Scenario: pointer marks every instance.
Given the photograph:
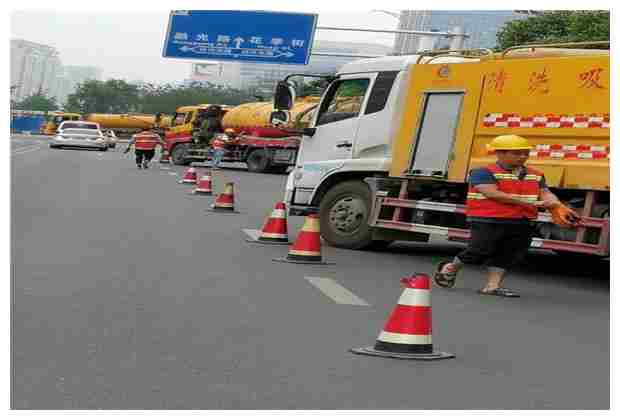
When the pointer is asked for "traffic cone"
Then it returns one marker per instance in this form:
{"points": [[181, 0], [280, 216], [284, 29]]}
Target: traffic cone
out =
{"points": [[225, 202], [307, 246], [165, 157], [204, 184], [274, 231], [189, 177], [408, 332]]}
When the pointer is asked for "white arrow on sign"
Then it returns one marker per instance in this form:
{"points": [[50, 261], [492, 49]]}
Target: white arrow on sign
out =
{"points": [[238, 41], [185, 48]]}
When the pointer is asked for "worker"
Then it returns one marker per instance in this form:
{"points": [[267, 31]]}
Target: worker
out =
{"points": [[219, 148], [501, 207], [144, 143]]}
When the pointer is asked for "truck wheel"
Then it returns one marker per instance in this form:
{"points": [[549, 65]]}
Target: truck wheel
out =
{"points": [[344, 213], [258, 161], [178, 154]]}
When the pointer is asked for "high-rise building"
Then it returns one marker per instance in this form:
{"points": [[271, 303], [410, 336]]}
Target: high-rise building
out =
{"points": [[481, 26], [34, 68]]}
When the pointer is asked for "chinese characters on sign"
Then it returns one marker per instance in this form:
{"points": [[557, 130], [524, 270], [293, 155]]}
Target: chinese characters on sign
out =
{"points": [[591, 79], [497, 80], [539, 83]]}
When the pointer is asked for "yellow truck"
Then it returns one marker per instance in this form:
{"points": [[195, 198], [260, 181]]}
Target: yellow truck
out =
{"points": [[396, 166], [54, 119]]}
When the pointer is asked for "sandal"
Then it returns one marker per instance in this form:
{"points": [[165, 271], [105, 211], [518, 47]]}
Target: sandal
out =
{"points": [[501, 292], [446, 280]]}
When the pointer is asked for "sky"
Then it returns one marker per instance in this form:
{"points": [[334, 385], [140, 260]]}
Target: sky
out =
{"points": [[128, 45]]}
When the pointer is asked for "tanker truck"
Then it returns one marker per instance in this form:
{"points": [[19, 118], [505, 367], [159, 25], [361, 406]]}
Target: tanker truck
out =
{"points": [[257, 143], [125, 125], [396, 165]]}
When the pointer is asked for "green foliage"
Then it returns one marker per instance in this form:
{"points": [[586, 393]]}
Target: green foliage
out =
{"points": [[167, 98], [555, 26], [118, 96], [37, 102], [112, 96]]}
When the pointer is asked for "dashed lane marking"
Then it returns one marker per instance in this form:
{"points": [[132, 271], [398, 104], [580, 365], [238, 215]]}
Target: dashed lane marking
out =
{"points": [[336, 292], [25, 150]]}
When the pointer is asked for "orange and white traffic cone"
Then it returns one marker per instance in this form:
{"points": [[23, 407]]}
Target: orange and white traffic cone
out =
{"points": [[165, 157], [407, 333], [203, 187], [274, 231], [225, 202], [189, 177], [307, 246]]}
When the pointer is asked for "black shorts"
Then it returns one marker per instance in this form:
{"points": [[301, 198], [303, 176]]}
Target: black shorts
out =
{"points": [[499, 245]]}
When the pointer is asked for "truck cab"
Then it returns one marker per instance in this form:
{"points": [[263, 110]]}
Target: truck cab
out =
{"points": [[350, 139]]}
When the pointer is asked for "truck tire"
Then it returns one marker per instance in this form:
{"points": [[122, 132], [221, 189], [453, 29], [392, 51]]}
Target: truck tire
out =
{"points": [[178, 154], [344, 213], [258, 161]]}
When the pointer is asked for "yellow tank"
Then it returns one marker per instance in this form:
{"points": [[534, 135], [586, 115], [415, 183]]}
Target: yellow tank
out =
{"points": [[256, 114], [122, 121]]}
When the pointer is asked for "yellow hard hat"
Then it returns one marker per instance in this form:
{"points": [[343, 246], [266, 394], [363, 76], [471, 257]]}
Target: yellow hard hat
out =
{"points": [[509, 142]]}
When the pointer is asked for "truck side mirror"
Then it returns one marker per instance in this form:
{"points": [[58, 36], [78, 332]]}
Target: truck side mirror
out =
{"points": [[278, 118], [284, 96]]}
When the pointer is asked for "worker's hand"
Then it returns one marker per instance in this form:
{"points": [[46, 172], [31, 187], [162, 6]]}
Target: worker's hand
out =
{"points": [[126, 150], [564, 216]]}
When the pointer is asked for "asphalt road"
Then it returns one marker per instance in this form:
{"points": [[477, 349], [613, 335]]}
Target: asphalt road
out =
{"points": [[128, 295]]}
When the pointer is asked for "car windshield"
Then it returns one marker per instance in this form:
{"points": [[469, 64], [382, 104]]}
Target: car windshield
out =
{"points": [[82, 132], [78, 125]]}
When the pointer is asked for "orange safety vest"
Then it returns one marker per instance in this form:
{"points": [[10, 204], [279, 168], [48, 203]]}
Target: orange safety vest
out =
{"points": [[527, 188], [146, 141], [218, 144]]}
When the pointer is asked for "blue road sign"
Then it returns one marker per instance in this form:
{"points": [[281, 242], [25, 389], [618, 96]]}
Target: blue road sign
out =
{"points": [[256, 36]]}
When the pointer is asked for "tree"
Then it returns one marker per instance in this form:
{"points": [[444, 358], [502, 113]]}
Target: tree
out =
{"points": [[167, 98], [112, 96], [554, 27], [37, 102]]}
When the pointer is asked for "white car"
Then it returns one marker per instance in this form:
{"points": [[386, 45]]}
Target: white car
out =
{"points": [[89, 138]]}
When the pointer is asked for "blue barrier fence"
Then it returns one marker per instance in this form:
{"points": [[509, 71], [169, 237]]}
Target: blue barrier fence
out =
{"points": [[27, 121]]}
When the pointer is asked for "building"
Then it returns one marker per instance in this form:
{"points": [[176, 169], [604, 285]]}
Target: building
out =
{"points": [[71, 76], [34, 68], [481, 26], [261, 78]]}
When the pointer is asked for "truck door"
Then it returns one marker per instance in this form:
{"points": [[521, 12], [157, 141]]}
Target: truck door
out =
{"points": [[436, 133], [336, 126]]}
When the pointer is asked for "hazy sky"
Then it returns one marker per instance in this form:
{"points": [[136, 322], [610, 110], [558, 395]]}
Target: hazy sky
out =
{"points": [[129, 44]]}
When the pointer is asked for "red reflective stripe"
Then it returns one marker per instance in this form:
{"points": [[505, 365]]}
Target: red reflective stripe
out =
{"points": [[415, 320]]}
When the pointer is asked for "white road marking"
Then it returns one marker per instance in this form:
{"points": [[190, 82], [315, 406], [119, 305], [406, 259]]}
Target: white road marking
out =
{"points": [[172, 173], [25, 150], [336, 292], [252, 233]]}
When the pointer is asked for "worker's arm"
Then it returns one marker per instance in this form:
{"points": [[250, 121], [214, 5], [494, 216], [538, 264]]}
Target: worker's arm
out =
{"points": [[548, 199], [491, 192], [131, 142]]}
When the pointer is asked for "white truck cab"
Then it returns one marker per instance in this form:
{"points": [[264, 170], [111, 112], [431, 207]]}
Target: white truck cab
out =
{"points": [[349, 139]]}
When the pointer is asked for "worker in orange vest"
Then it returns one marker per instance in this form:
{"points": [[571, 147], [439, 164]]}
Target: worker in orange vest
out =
{"points": [[501, 208], [144, 143], [219, 147]]}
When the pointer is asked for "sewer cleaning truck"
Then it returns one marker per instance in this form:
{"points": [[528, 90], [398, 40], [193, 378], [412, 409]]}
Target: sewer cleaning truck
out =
{"points": [[395, 164]]}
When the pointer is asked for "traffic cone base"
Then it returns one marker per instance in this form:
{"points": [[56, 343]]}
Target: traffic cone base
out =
{"points": [[369, 351], [254, 236], [300, 261], [407, 334]]}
